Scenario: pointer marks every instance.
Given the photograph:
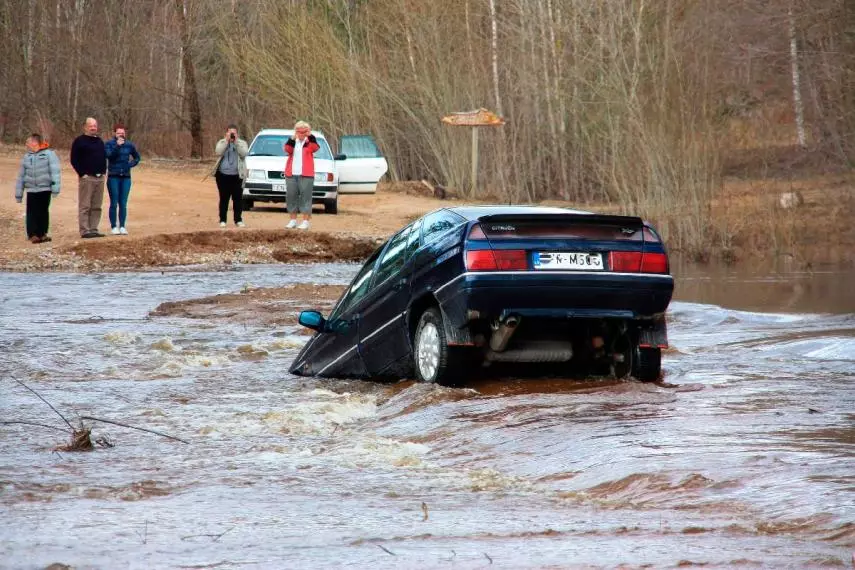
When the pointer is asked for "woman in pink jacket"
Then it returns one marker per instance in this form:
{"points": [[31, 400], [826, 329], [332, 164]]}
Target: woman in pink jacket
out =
{"points": [[300, 174]]}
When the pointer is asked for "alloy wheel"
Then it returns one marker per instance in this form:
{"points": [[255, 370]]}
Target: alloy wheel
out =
{"points": [[427, 352]]}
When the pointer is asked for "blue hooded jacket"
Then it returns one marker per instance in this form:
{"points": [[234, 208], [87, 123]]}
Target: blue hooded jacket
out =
{"points": [[120, 159]]}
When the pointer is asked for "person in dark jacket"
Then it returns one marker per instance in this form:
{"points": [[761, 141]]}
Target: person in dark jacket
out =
{"points": [[89, 160], [300, 174], [122, 155], [39, 178]]}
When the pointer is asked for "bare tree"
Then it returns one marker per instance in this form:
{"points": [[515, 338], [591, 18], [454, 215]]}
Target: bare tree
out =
{"points": [[191, 93]]}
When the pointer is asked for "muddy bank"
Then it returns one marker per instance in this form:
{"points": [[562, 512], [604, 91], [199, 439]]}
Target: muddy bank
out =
{"points": [[214, 249], [273, 306]]}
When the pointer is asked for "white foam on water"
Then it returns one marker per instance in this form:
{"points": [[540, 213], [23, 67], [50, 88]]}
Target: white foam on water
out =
{"points": [[834, 349], [369, 452], [165, 344], [122, 338], [288, 342]]}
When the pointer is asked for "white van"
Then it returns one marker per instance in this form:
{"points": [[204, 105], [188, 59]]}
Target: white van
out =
{"points": [[356, 172]]}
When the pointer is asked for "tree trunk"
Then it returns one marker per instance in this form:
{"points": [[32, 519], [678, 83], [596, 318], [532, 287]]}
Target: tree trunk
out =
{"points": [[191, 93], [798, 106], [494, 47]]}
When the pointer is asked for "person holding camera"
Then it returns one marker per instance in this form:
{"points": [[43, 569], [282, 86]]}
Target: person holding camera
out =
{"points": [[122, 155], [230, 172], [89, 160], [300, 174]]}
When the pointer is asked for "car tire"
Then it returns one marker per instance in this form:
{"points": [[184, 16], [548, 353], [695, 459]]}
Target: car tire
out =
{"points": [[434, 361], [331, 206], [647, 364], [247, 205]]}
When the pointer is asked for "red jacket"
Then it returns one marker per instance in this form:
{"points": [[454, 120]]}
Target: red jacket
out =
{"points": [[309, 149]]}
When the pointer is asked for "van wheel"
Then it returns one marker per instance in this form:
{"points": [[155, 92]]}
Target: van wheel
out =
{"points": [[331, 206], [433, 360], [647, 365], [246, 205]]}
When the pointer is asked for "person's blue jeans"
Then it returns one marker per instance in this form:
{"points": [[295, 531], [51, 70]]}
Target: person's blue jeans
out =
{"points": [[119, 187]]}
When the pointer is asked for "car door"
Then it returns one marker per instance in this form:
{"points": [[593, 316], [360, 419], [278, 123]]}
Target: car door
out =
{"points": [[360, 164], [335, 351], [382, 324]]}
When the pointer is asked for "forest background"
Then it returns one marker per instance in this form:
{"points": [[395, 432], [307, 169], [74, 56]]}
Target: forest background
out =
{"points": [[729, 123]]}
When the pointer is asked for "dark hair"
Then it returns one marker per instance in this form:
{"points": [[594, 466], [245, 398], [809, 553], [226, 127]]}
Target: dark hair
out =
{"points": [[232, 126], [118, 126], [36, 137]]}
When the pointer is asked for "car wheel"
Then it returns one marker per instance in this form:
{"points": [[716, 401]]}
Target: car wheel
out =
{"points": [[247, 205], [622, 356], [647, 365], [331, 206], [433, 360]]}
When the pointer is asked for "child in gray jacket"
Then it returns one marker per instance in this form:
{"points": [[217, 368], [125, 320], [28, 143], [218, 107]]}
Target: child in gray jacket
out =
{"points": [[39, 179]]}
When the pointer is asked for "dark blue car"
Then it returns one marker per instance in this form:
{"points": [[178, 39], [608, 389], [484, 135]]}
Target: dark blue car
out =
{"points": [[466, 287]]}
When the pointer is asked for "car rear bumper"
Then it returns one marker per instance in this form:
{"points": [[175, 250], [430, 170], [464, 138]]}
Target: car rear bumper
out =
{"points": [[263, 192], [558, 294]]}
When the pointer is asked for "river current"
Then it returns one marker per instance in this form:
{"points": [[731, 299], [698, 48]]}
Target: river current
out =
{"points": [[743, 457]]}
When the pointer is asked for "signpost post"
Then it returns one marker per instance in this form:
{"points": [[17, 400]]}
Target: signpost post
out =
{"points": [[477, 118]]}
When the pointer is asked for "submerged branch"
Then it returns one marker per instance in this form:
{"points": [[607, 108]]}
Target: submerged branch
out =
{"points": [[134, 427], [63, 430], [46, 402]]}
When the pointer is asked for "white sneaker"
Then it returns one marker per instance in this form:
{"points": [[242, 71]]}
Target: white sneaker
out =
{"points": [[304, 225], [115, 231], [123, 231], [241, 225], [222, 224], [291, 225]]}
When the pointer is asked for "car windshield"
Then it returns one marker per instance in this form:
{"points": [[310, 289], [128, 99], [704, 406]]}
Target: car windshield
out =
{"points": [[273, 145]]}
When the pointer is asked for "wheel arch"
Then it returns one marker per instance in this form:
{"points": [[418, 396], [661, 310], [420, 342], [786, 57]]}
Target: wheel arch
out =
{"points": [[417, 307]]}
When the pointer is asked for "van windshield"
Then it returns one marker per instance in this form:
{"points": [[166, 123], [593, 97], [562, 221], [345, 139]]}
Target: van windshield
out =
{"points": [[273, 145]]}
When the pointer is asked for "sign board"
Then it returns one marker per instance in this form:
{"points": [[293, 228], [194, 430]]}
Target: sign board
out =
{"points": [[477, 118]]}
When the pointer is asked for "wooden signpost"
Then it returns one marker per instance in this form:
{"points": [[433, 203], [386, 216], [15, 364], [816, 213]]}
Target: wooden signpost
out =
{"points": [[477, 118]]}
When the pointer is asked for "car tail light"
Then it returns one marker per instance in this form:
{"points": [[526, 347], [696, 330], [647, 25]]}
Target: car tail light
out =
{"points": [[638, 262], [654, 263], [511, 259], [625, 261], [480, 260], [501, 260]]}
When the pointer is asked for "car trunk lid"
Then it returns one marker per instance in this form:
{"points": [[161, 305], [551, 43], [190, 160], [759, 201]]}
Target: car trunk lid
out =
{"points": [[565, 242]]}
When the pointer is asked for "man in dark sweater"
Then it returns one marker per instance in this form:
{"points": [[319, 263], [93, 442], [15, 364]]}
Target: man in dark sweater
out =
{"points": [[89, 160]]}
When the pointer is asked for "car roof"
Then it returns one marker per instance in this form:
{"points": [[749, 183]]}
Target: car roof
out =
{"points": [[477, 212], [286, 132]]}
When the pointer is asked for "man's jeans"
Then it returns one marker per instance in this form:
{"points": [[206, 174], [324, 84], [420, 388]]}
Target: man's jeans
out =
{"points": [[119, 187]]}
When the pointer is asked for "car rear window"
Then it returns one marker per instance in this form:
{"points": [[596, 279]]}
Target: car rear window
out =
{"points": [[274, 145], [560, 230], [438, 223]]}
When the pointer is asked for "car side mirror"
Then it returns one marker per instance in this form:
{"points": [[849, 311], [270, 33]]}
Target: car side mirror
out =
{"points": [[312, 320], [340, 157]]}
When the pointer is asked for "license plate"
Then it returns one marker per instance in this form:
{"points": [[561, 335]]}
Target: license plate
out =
{"points": [[568, 260], [279, 188]]}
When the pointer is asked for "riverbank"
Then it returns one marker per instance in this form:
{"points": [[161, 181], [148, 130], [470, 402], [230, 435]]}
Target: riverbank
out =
{"points": [[804, 222]]}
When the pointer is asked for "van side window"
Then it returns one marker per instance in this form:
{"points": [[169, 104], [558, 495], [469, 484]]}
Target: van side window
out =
{"points": [[393, 258], [438, 223]]}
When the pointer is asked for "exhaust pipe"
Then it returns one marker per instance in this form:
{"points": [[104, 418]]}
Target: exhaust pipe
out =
{"points": [[502, 333]]}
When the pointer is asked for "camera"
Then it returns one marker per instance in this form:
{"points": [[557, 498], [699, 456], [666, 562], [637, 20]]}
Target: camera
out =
{"points": [[232, 137]]}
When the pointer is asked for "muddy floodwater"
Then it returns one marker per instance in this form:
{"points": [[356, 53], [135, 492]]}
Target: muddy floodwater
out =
{"points": [[743, 457]]}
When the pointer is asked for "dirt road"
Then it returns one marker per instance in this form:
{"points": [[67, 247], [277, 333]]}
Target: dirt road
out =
{"points": [[173, 221], [169, 198]]}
